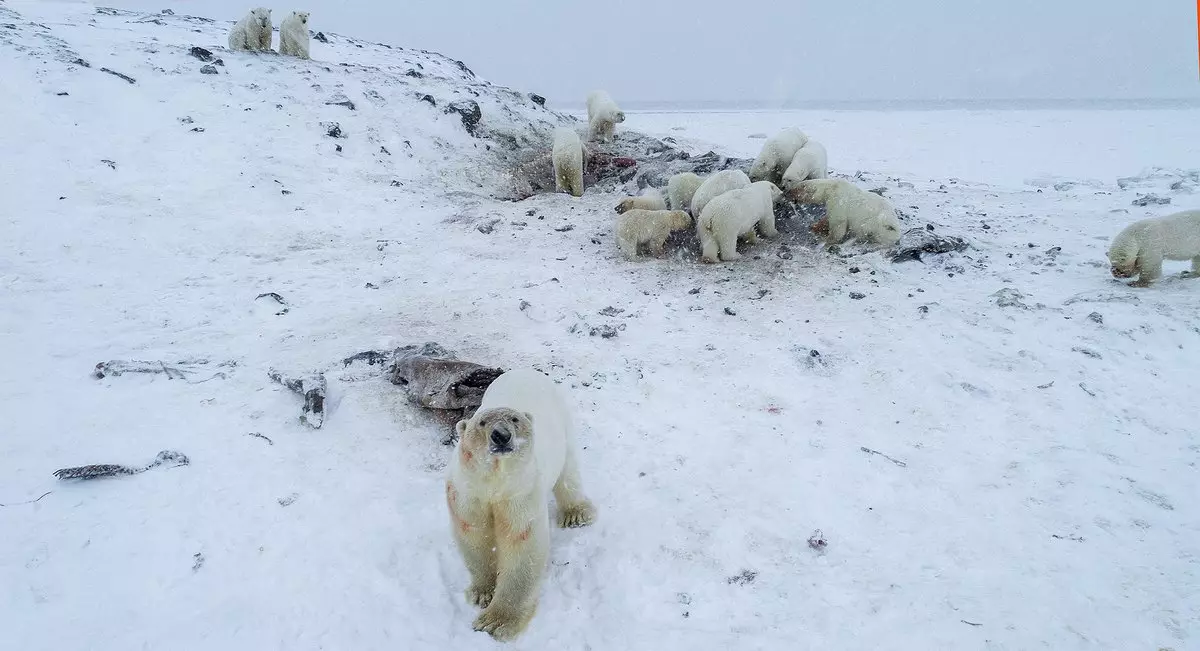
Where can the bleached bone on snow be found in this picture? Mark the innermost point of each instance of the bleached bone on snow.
(174, 459)
(176, 371)
(313, 389)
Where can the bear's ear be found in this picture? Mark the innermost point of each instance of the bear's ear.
(529, 417)
(460, 428)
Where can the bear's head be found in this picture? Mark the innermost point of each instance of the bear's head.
(502, 434)
(619, 117)
(625, 206)
(679, 220)
(263, 16)
(776, 193)
(759, 170)
(1123, 258)
(302, 15)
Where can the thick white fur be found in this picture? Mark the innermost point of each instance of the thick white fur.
(776, 154)
(863, 215)
(735, 213)
(650, 200)
(810, 162)
(649, 227)
(293, 34)
(499, 500)
(253, 32)
(681, 188)
(716, 185)
(603, 116)
(568, 161)
(1143, 245)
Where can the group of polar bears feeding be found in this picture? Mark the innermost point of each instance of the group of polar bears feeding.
(253, 32)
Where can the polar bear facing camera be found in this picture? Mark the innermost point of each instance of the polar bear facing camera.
(735, 213)
(649, 227)
(603, 116)
(716, 185)
(851, 211)
(568, 161)
(1141, 247)
(681, 188)
(649, 200)
(776, 154)
(293, 35)
(253, 32)
(810, 162)
(517, 448)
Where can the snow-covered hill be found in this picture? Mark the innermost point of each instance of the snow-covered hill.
(997, 447)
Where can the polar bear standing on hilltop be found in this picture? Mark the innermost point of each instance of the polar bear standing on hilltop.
(293, 35)
(736, 213)
(1141, 247)
(681, 188)
(603, 116)
(253, 32)
(810, 162)
(851, 211)
(716, 185)
(568, 161)
(516, 449)
(776, 154)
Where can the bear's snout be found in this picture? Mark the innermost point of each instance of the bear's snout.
(501, 441)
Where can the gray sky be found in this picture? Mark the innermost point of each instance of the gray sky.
(779, 50)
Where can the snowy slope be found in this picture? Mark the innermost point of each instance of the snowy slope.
(1004, 515)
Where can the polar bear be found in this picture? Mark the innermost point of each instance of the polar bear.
(810, 162)
(716, 185)
(849, 210)
(510, 454)
(649, 227)
(650, 200)
(681, 188)
(735, 213)
(1141, 247)
(253, 32)
(293, 34)
(776, 154)
(603, 116)
(568, 161)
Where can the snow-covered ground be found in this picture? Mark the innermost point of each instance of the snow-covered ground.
(985, 477)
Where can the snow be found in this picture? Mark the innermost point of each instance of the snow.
(716, 442)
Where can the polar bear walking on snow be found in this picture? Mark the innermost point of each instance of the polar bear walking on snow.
(736, 213)
(810, 162)
(253, 32)
(681, 188)
(568, 161)
(851, 211)
(293, 35)
(716, 185)
(650, 227)
(1143, 245)
(517, 448)
(776, 154)
(603, 116)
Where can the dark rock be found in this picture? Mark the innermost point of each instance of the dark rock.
(320, 36)
(565, 228)
(858, 296)
(313, 389)
(428, 98)
(197, 129)
(62, 93)
(855, 270)
(337, 148)
(341, 101)
(414, 74)
(1151, 200)
(879, 191)
(209, 70)
(81, 62)
(334, 130)
(462, 66)
(468, 110)
(167, 12)
(746, 577)
(118, 74)
(1096, 317)
(201, 53)
(537, 99)
(221, 62)
(610, 311)
(730, 312)
(275, 297)
(605, 331)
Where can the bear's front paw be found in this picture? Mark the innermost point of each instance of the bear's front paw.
(502, 624)
(479, 595)
(580, 514)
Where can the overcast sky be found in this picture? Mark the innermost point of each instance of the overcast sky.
(781, 50)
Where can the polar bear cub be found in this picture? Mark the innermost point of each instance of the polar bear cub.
(776, 154)
(810, 162)
(253, 32)
(293, 34)
(650, 200)
(735, 213)
(516, 449)
(603, 116)
(863, 215)
(1141, 247)
(716, 185)
(681, 188)
(568, 161)
(649, 227)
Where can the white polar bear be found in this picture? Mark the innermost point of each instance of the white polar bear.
(253, 32)
(810, 162)
(293, 34)
(681, 188)
(716, 185)
(776, 154)
(649, 227)
(568, 161)
(735, 213)
(1141, 247)
(510, 454)
(863, 215)
(603, 116)
(650, 200)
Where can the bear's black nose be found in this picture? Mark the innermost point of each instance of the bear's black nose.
(501, 438)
